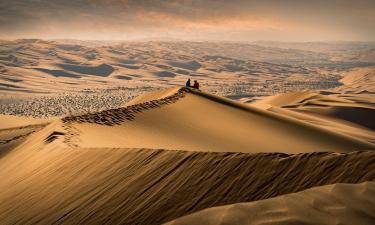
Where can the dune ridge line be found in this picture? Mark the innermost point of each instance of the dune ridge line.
(117, 116)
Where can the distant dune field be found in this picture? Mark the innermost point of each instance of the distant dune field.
(108, 134)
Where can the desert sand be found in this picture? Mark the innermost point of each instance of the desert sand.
(336, 203)
(43, 67)
(179, 120)
(50, 184)
(86, 169)
(77, 149)
(348, 109)
(8, 121)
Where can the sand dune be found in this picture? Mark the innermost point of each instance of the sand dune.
(341, 110)
(181, 154)
(361, 116)
(340, 106)
(50, 183)
(328, 122)
(358, 80)
(332, 204)
(126, 165)
(179, 118)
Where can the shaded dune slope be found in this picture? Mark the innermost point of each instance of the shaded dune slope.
(353, 102)
(50, 184)
(337, 107)
(357, 115)
(103, 70)
(350, 114)
(329, 123)
(178, 119)
(344, 204)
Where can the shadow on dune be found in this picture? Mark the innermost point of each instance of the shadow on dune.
(362, 116)
(101, 70)
(58, 73)
(165, 74)
(188, 65)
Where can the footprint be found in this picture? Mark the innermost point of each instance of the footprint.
(54, 135)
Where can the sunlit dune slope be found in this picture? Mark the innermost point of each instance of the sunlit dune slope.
(359, 81)
(186, 119)
(8, 121)
(48, 184)
(344, 204)
(114, 167)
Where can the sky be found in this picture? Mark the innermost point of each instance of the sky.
(229, 20)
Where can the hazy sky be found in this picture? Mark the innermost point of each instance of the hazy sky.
(233, 20)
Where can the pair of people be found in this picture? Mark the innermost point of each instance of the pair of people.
(195, 85)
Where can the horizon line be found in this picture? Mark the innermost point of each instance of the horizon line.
(160, 39)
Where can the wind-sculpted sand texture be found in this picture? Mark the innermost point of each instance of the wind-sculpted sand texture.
(175, 152)
(358, 81)
(344, 204)
(10, 134)
(117, 116)
(143, 186)
(10, 138)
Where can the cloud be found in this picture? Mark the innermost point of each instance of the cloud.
(190, 19)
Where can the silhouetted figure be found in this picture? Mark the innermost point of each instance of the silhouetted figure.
(196, 85)
(188, 83)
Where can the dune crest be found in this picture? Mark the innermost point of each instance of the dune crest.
(185, 119)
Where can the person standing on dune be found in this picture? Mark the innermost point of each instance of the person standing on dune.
(196, 84)
(188, 83)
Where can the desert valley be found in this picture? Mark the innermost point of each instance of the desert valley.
(105, 132)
